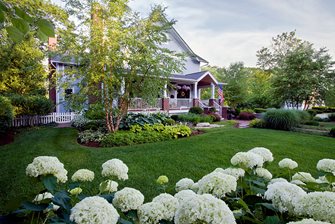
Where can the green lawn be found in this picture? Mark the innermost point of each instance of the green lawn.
(191, 157)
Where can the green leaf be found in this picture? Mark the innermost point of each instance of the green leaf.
(21, 25)
(2, 16)
(3, 7)
(268, 206)
(15, 34)
(40, 35)
(272, 220)
(45, 27)
(34, 207)
(123, 221)
(62, 199)
(330, 177)
(50, 183)
(22, 14)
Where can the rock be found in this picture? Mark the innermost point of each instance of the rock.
(203, 125)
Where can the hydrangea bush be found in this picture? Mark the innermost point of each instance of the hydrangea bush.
(246, 192)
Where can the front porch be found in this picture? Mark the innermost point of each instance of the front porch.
(181, 93)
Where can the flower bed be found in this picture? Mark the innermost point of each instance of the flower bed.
(243, 193)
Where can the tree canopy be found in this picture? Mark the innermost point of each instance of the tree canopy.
(120, 54)
(301, 72)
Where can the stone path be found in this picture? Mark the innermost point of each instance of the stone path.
(64, 125)
(243, 124)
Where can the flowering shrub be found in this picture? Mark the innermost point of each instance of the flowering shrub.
(230, 195)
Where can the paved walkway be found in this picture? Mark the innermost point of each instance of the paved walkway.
(243, 124)
(64, 125)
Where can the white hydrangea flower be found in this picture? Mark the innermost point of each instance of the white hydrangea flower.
(326, 165)
(128, 199)
(263, 152)
(318, 205)
(247, 160)
(235, 172)
(322, 180)
(195, 187)
(297, 182)
(264, 173)
(44, 165)
(115, 168)
(184, 184)
(43, 196)
(284, 196)
(288, 163)
(280, 179)
(150, 213)
(110, 186)
(184, 195)
(94, 210)
(83, 175)
(304, 177)
(204, 209)
(217, 184)
(308, 221)
(170, 204)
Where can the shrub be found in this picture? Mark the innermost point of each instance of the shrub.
(281, 119)
(215, 117)
(95, 112)
(6, 113)
(303, 115)
(257, 123)
(31, 105)
(332, 132)
(145, 134)
(260, 110)
(194, 118)
(246, 116)
(324, 109)
(169, 121)
(82, 123)
(142, 119)
(212, 110)
(174, 117)
(248, 111)
(196, 110)
(331, 117)
(312, 112)
(91, 136)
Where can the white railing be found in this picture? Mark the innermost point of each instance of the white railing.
(180, 103)
(205, 103)
(218, 107)
(140, 104)
(33, 120)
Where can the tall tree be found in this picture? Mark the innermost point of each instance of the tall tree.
(236, 78)
(301, 73)
(120, 55)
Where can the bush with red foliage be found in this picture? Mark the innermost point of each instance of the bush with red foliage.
(246, 116)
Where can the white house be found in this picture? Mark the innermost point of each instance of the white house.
(184, 93)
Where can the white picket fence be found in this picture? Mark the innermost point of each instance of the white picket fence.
(59, 118)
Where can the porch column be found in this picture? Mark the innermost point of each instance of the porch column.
(213, 91)
(195, 95)
(165, 91)
(212, 99)
(195, 91)
(166, 104)
(199, 94)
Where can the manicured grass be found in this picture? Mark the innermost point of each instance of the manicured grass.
(191, 157)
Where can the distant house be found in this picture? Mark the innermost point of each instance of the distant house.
(183, 93)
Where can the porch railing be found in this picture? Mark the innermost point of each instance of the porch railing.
(140, 104)
(180, 103)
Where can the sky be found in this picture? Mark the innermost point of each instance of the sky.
(227, 31)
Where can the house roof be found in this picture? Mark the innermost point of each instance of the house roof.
(194, 77)
(185, 45)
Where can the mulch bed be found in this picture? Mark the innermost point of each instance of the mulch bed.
(7, 138)
(197, 132)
